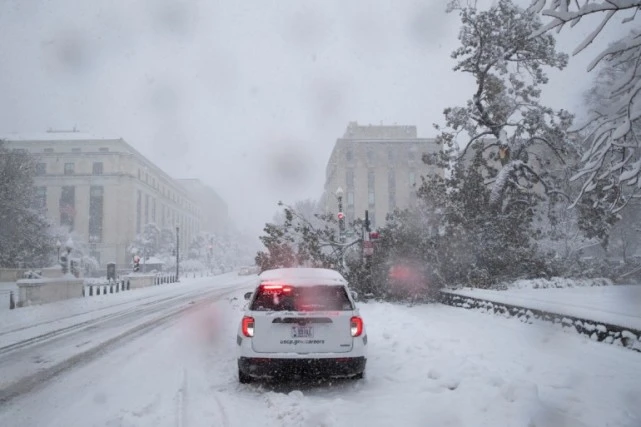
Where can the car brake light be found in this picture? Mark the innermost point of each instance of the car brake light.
(248, 326)
(281, 288)
(356, 324)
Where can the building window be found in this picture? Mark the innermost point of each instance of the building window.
(153, 210)
(104, 149)
(76, 150)
(411, 154)
(371, 156)
(391, 189)
(391, 156)
(68, 206)
(138, 212)
(146, 208)
(40, 202)
(41, 169)
(349, 178)
(48, 150)
(97, 168)
(138, 173)
(69, 168)
(371, 185)
(96, 204)
(162, 216)
(350, 199)
(349, 155)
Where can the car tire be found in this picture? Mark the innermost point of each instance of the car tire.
(244, 378)
(359, 376)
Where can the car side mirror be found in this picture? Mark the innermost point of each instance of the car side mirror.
(354, 295)
(248, 295)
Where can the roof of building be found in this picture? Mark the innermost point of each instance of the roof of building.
(356, 131)
(67, 135)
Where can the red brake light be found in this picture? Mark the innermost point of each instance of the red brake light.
(248, 326)
(282, 288)
(356, 325)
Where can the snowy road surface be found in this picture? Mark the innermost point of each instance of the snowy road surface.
(428, 366)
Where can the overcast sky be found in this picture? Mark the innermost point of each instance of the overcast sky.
(247, 95)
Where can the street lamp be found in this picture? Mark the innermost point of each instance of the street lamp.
(177, 252)
(69, 248)
(58, 246)
(341, 215)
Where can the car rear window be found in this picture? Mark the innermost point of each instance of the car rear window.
(302, 298)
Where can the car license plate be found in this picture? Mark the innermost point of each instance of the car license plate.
(302, 332)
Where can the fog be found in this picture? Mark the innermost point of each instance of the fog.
(248, 96)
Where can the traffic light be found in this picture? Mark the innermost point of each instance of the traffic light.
(136, 264)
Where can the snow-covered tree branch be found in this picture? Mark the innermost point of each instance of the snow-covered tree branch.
(611, 165)
(504, 112)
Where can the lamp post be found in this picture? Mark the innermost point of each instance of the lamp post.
(341, 215)
(69, 248)
(177, 252)
(58, 246)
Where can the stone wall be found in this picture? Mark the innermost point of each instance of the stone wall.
(42, 291)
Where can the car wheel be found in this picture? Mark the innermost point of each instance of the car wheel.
(244, 378)
(359, 376)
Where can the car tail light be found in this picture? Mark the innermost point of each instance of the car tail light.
(356, 325)
(248, 326)
(277, 288)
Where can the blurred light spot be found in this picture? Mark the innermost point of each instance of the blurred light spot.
(427, 26)
(68, 51)
(288, 165)
(173, 17)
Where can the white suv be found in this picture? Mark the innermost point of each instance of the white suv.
(301, 321)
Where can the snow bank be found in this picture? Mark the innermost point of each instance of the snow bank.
(555, 282)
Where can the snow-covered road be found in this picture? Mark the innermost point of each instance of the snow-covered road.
(428, 366)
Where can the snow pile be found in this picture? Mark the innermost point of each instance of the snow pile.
(615, 305)
(555, 282)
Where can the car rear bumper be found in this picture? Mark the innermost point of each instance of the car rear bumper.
(286, 368)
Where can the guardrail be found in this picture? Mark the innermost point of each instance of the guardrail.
(121, 285)
(598, 331)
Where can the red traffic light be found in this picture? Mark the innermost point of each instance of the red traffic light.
(341, 215)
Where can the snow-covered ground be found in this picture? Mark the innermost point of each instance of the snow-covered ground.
(428, 366)
(618, 305)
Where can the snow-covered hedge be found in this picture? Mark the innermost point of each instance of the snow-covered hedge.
(555, 282)
(596, 331)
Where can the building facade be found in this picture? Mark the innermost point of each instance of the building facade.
(105, 191)
(378, 168)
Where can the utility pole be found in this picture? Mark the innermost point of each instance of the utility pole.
(177, 251)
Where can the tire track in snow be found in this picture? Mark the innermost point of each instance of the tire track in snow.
(224, 417)
(181, 404)
(30, 382)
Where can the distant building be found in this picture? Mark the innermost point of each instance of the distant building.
(106, 191)
(379, 168)
(214, 213)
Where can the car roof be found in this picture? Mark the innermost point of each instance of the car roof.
(302, 276)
